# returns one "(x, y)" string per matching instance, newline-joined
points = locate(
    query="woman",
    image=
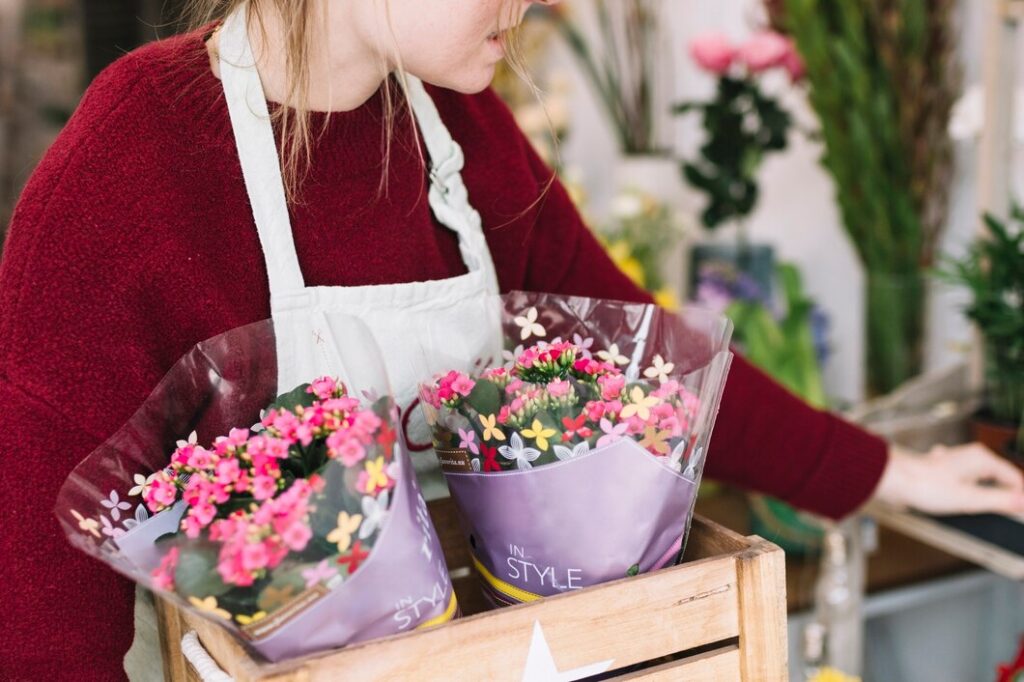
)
(162, 216)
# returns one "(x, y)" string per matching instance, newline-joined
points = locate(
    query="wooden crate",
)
(720, 615)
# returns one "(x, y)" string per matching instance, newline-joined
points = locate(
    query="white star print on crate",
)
(613, 356)
(529, 325)
(540, 665)
(516, 450)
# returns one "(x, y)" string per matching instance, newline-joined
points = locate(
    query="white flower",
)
(375, 509)
(627, 205)
(613, 356)
(676, 455)
(141, 515)
(475, 464)
(564, 453)
(142, 484)
(529, 325)
(192, 438)
(115, 504)
(659, 369)
(516, 450)
(510, 356)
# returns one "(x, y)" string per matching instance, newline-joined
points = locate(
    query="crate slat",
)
(731, 588)
(717, 665)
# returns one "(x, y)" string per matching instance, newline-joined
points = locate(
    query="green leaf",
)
(485, 398)
(196, 574)
(293, 398)
(633, 570)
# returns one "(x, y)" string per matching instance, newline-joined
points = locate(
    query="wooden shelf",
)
(900, 560)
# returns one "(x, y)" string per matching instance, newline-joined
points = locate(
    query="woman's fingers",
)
(966, 479)
(975, 462)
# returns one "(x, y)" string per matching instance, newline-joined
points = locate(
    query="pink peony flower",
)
(713, 52)
(765, 50)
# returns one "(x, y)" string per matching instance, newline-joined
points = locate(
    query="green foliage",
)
(620, 63)
(742, 126)
(993, 271)
(882, 82)
(782, 347)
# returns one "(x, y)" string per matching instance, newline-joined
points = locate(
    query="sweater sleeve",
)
(765, 438)
(65, 615)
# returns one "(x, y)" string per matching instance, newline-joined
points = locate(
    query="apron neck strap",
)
(257, 152)
(261, 168)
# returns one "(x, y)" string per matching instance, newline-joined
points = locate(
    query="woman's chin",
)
(468, 83)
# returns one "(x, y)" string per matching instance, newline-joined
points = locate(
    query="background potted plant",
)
(743, 125)
(993, 271)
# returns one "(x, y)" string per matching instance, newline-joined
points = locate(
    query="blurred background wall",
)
(50, 49)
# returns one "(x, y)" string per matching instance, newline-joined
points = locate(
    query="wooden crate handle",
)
(761, 578)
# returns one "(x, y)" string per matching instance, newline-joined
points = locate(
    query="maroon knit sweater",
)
(134, 240)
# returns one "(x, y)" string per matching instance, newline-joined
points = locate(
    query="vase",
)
(657, 175)
(894, 321)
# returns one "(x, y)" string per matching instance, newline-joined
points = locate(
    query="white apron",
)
(420, 327)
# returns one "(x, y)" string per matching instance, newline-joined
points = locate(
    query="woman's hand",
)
(964, 479)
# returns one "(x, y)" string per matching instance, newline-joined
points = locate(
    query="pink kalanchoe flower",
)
(594, 410)
(162, 493)
(765, 50)
(264, 487)
(713, 52)
(611, 385)
(297, 536)
(255, 556)
(463, 385)
(163, 575)
(342, 446)
(323, 388)
(559, 388)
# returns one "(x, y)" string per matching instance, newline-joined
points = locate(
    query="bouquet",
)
(303, 532)
(577, 461)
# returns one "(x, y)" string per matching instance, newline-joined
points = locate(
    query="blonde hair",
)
(297, 136)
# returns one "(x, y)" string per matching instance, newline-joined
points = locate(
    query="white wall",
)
(796, 212)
